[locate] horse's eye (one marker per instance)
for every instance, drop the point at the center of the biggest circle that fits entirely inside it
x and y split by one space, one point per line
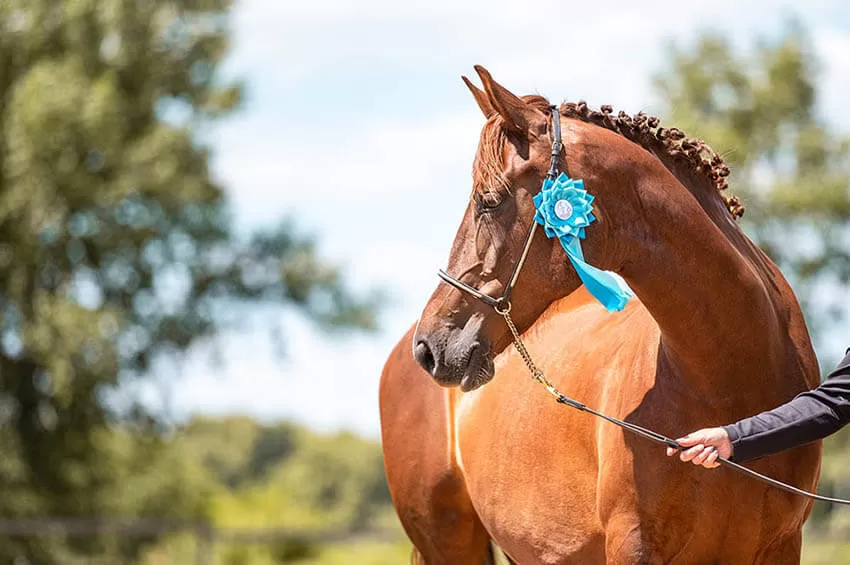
490 200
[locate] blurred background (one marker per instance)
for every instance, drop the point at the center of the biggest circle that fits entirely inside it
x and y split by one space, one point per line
216 219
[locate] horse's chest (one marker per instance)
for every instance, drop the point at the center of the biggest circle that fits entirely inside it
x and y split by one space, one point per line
538 471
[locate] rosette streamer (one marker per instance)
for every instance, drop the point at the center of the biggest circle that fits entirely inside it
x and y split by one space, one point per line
564 209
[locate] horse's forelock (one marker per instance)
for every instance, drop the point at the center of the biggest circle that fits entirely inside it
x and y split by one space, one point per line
488 171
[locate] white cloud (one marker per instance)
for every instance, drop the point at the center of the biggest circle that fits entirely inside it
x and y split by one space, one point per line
833 48
384 159
530 44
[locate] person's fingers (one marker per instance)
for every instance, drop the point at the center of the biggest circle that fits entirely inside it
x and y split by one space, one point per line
702 456
689 454
699 446
711 461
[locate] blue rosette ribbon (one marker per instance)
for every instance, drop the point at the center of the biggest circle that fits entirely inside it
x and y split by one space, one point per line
564 209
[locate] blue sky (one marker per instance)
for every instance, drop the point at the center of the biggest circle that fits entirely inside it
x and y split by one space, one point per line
358 126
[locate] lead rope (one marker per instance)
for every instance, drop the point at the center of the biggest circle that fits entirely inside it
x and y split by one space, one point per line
561 398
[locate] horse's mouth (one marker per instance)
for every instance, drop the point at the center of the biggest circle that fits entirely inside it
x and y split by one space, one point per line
478 370
470 368
457 356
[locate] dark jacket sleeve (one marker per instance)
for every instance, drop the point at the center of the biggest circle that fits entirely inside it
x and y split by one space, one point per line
810 416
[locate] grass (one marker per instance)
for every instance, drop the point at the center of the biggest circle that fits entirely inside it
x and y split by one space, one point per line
825 552
362 553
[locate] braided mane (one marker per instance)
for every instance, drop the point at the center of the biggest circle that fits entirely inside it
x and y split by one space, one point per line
663 142
670 145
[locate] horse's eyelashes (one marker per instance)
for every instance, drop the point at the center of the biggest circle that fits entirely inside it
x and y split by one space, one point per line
489 201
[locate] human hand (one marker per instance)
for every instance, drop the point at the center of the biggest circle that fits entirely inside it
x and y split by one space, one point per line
705 446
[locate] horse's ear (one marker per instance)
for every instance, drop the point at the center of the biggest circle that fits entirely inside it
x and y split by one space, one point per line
480 97
519 116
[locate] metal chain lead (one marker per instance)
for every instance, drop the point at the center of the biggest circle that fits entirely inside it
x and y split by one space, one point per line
520 347
538 376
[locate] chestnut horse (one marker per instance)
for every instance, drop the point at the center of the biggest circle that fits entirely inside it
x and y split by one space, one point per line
713 334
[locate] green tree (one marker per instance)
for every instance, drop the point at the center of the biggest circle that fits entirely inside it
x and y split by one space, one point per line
116 247
286 476
790 168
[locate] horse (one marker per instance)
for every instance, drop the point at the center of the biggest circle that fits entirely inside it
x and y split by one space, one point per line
477 454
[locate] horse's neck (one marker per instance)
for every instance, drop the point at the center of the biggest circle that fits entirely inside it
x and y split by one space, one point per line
726 315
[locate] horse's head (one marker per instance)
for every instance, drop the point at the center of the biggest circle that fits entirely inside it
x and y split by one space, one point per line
459 334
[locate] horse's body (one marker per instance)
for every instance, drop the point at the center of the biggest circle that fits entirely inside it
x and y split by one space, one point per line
550 484
553 485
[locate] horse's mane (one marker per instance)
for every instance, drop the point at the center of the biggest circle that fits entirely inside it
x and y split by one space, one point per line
670 145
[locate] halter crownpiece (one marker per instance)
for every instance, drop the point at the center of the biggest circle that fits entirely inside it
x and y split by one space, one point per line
557 144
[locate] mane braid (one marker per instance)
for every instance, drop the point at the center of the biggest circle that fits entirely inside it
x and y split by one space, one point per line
647 132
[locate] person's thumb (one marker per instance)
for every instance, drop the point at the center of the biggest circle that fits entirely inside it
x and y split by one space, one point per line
689 440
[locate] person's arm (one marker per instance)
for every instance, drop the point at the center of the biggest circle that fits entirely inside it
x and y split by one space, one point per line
810 416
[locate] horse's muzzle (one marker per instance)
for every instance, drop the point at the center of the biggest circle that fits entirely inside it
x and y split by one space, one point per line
455 356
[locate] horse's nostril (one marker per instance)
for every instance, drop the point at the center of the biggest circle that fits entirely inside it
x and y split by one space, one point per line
424 356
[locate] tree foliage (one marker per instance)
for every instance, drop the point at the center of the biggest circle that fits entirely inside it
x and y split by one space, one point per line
116 245
283 476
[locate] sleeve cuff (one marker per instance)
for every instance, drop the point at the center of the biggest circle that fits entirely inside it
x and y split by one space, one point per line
732 432
734 437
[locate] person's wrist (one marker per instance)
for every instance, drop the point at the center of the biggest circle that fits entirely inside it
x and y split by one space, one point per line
727 447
